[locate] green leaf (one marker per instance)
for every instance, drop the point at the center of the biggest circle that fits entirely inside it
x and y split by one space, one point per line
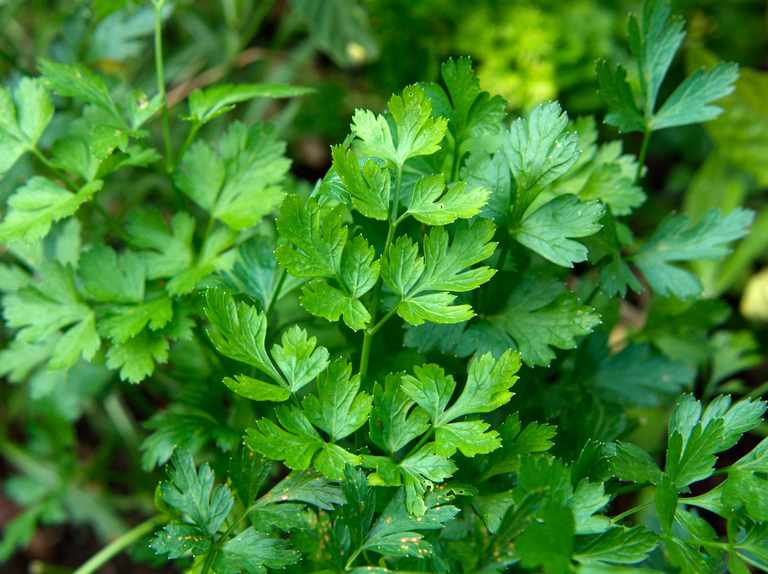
184 427
475 117
192 494
126 321
486 389
690 103
419 472
588 498
548 541
254 552
616 546
78 82
23 119
638 376
256 273
323 300
166 251
696 436
751 544
307 487
338 408
299 358
416 132
109 277
255 389
209 103
541 314
314 238
549 229
395 419
216 255
423 285
48 307
136 357
539 149
434 204
516 442
615 91
240 180
654 40
368 186
238 331
296 442
38 204
201 510
630 462
677 239
356 275
396 532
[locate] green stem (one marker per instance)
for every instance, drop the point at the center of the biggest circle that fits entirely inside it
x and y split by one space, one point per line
44 160
160 73
630 512
189 139
422 441
394 220
119 544
643 153
352 558
456 160
375 329
209 558
276 292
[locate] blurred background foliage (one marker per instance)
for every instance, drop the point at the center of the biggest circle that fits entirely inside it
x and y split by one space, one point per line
355 53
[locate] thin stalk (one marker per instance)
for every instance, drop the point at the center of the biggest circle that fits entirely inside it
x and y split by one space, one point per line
119 544
630 512
189 139
160 73
276 292
352 558
456 160
209 558
422 441
44 160
365 352
643 153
